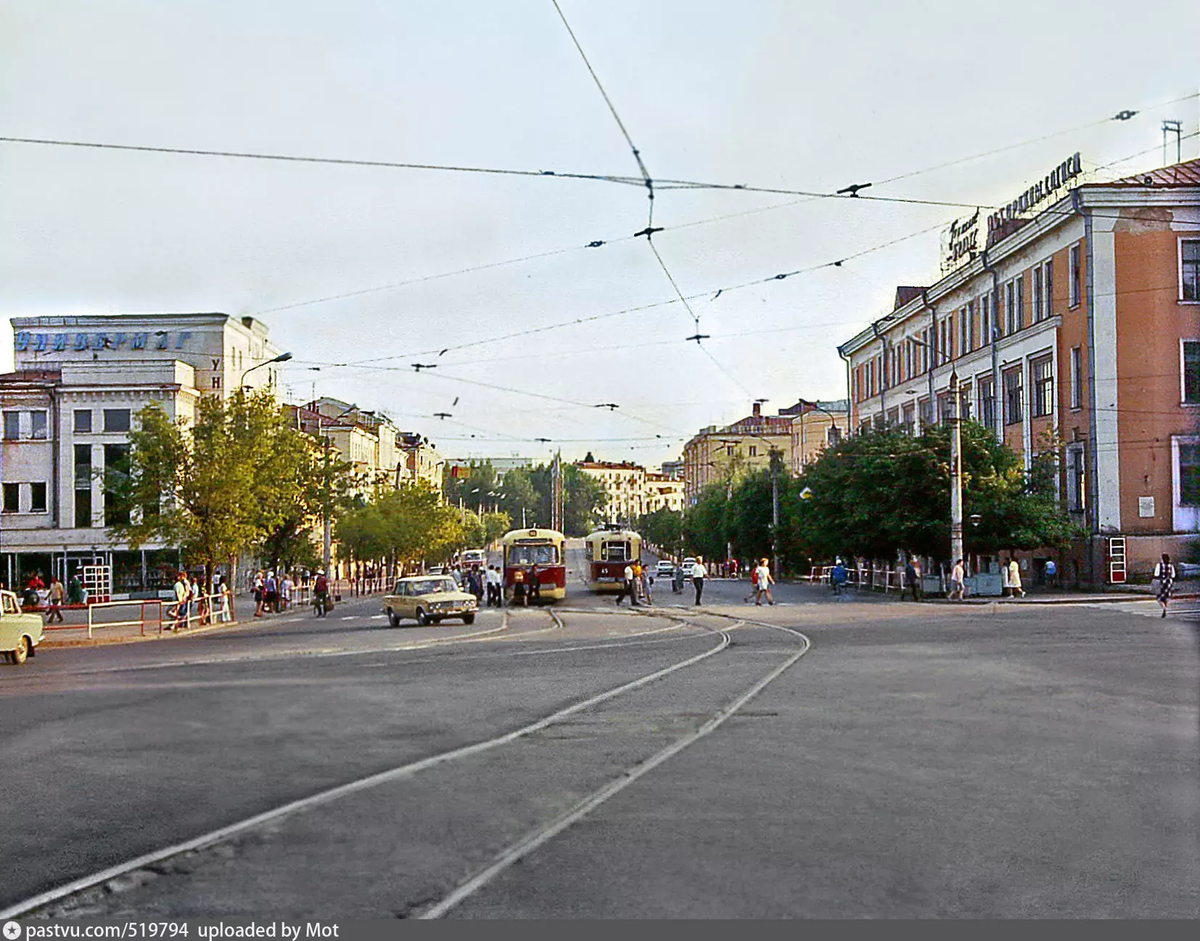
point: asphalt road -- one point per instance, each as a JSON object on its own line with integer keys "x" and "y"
{"x": 820, "y": 758}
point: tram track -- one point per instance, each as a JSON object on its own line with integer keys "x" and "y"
{"x": 58, "y": 900}
{"x": 61, "y": 895}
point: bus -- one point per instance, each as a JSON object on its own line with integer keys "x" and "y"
{"x": 606, "y": 553}
{"x": 545, "y": 548}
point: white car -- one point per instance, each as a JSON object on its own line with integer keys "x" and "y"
{"x": 664, "y": 569}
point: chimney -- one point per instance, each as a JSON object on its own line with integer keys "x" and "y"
{"x": 757, "y": 409}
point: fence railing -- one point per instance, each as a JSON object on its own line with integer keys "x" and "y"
{"x": 152, "y": 605}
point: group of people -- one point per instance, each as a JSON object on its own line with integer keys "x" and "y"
{"x": 760, "y": 582}
{"x": 637, "y": 584}
{"x": 193, "y": 603}
{"x": 272, "y": 593}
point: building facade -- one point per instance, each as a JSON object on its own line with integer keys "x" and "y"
{"x": 663, "y": 492}
{"x": 722, "y": 454}
{"x": 68, "y": 408}
{"x": 1075, "y": 334}
{"x": 625, "y": 485}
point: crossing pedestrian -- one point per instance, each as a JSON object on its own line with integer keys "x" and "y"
{"x": 763, "y": 585}
{"x": 628, "y": 588}
{"x": 912, "y": 579}
{"x": 55, "y": 600}
{"x": 1164, "y": 573}
{"x": 753, "y": 585}
{"x": 698, "y": 572}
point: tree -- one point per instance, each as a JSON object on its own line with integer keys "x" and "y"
{"x": 704, "y": 530}
{"x": 495, "y": 525}
{"x": 214, "y": 486}
{"x": 877, "y": 493}
{"x": 408, "y": 524}
{"x": 520, "y": 500}
{"x": 663, "y": 528}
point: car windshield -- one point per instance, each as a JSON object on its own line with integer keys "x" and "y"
{"x": 429, "y": 586}
{"x": 531, "y": 555}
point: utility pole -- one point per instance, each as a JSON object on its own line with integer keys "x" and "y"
{"x": 556, "y": 493}
{"x": 776, "y": 463}
{"x": 956, "y": 507}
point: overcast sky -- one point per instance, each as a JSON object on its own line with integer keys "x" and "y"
{"x": 771, "y": 93}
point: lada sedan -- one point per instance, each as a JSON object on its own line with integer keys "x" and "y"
{"x": 427, "y": 599}
{"x": 19, "y": 633}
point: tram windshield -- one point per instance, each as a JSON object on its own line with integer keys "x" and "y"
{"x": 533, "y": 555}
{"x": 615, "y": 552}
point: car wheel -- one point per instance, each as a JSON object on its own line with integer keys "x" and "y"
{"x": 422, "y": 617}
{"x": 393, "y": 618}
{"x": 22, "y": 650}
{"x": 468, "y": 619}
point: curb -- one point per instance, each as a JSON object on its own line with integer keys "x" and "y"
{"x": 48, "y": 644}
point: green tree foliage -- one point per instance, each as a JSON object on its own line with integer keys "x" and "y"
{"x": 407, "y": 525}
{"x": 216, "y": 486}
{"x": 520, "y": 499}
{"x": 704, "y": 524}
{"x": 877, "y": 493}
{"x": 495, "y": 525}
{"x": 663, "y": 528}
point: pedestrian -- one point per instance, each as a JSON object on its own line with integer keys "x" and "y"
{"x": 698, "y": 572}
{"x": 1006, "y": 585}
{"x": 837, "y": 578}
{"x": 958, "y": 584}
{"x": 181, "y": 601}
{"x": 534, "y": 589}
{"x": 493, "y": 586}
{"x": 1164, "y": 572}
{"x": 762, "y": 585}
{"x": 647, "y": 583}
{"x": 285, "y": 591}
{"x": 753, "y": 586}
{"x": 912, "y": 579}
{"x": 75, "y": 590}
{"x": 55, "y": 599}
{"x": 259, "y": 593}
{"x": 1049, "y": 572}
{"x": 628, "y": 588}
{"x": 226, "y": 610}
{"x": 1014, "y": 578}
{"x": 271, "y": 593}
{"x": 677, "y": 577}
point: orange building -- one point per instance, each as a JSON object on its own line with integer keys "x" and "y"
{"x": 1074, "y": 329}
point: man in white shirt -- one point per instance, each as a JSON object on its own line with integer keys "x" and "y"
{"x": 628, "y": 588}
{"x": 698, "y": 572}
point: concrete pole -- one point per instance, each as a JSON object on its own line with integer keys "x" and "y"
{"x": 956, "y": 506}
{"x": 327, "y": 535}
{"x": 776, "y": 461}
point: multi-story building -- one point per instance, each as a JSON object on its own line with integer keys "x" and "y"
{"x": 68, "y": 408}
{"x": 419, "y": 460}
{"x": 366, "y": 440}
{"x": 1074, "y": 332}
{"x": 663, "y": 491}
{"x": 722, "y": 454}
{"x": 625, "y": 485}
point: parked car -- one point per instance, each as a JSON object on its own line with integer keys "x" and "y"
{"x": 687, "y": 568}
{"x": 664, "y": 569}
{"x": 19, "y": 633}
{"x": 427, "y": 599}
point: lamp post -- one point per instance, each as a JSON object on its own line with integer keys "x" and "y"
{"x": 281, "y": 358}
{"x": 956, "y": 508}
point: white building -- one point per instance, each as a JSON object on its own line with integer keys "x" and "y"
{"x": 67, "y": 411}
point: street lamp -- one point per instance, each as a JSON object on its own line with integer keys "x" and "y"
{"x": 281, "y": 358}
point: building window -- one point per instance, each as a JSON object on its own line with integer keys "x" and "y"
{"x": 1020, "y": 302}
{"x": 1074, "y": 275}
{"x": 116, "y": 419}
{"x": 116, "y": 472}
{"x": 1010, "y": 308}
{"x": 1189, "y": 475}
{"x": 12, "y": 426}
{"x": 1189, "y": 269}
{"x": 37, "y": 498}
{"x": 964, "y": 331}
{"x": 12, "y": 498}
{"x": 1043, "y": 387}
{"x": 910, "y": 413}
{"x": 985, "y": 320}
{"x": 972, "y": 326}
{"x": 83, "y": 421}
{"x": 1076, "y": 480}
{"x": 1048, "y": 267}
{"x": 1076, "y": 377}
{"x": 754, "y": 450}
{"x": 925, "y": 411}
{"x": 987, "y": 401}
{"x": 1039, "y": 309}
{"x": 37, "y": 424}
{"x": 1191, "y": 372}
{"x": 83, "y": 509}
{"x": 964, "y": 403}
{"x": 1013, "y": 396}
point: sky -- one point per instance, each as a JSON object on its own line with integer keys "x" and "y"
{"x": 362, "y": 271}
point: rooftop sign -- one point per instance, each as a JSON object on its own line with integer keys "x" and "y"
{"x": 1041, "y": 191}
